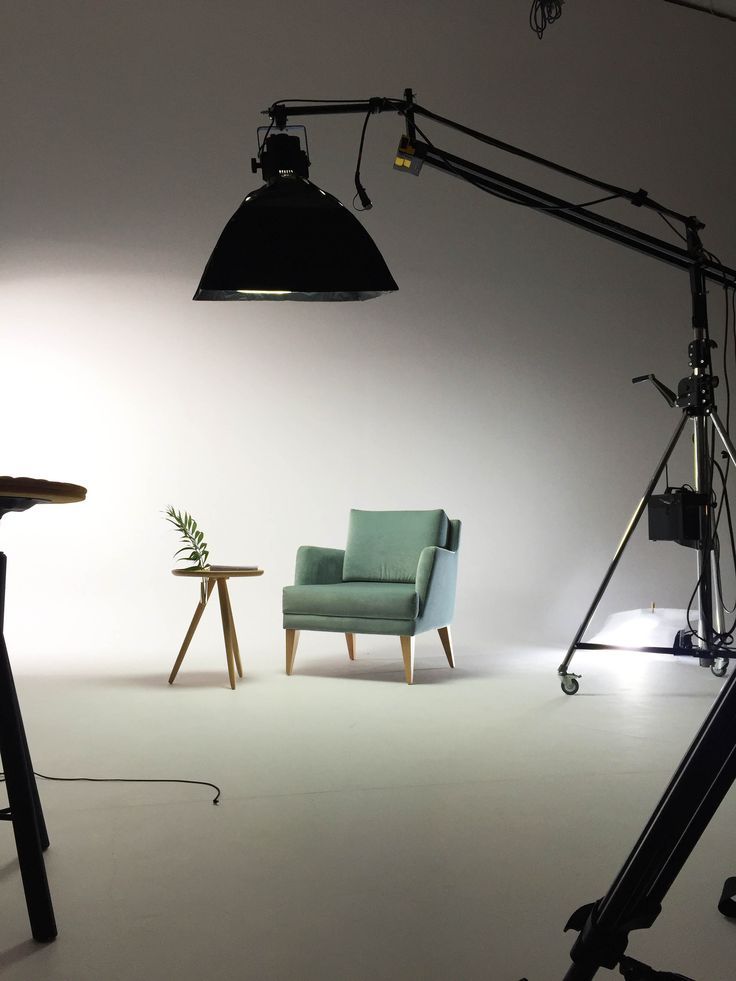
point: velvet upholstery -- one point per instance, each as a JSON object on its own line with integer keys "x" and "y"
{"x": 375, "y": 600}
{"x": 315, "y": 566}
{"x": 384, "y": 546}
{"x": 330, "y": 594}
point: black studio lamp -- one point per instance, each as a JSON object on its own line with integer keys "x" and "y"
{"x": 290, "y": 240}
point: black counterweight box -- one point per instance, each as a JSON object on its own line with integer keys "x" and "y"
{"x": 678, "y": 515}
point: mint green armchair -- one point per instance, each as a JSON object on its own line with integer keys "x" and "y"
{"x": 396, "y": 576}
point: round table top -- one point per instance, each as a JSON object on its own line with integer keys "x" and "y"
{"x": 218, "y": 572}
{"x": 40, "y": 491}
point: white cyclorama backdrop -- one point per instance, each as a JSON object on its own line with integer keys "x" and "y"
{"x": 496, "y": 384}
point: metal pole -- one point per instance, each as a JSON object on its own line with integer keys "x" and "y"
{"x": 719, "y": 8}
{"x": 725, "y": 438}
{"x": 701, "y": 467}
{"x": 731, "y": 450}
{"x": 700, "y": 363}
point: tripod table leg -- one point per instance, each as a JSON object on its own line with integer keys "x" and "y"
{"x": 23, "y": 806}
{"x": 190, "y": 633}
{"x": 34, "y": 789}
{"x": 233, "y": 635}
{"x": 222, "y": 595}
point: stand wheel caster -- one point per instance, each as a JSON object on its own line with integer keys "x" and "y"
{"x": 720, "y": 667}
{"x": 569, "y": 684}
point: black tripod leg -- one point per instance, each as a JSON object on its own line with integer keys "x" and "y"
{"x": 34, "y": 789}
{"x": 41, "y": 823}
{"x": 697, "y": 788}
{"x": 19, "y": 781}
{"x": 562, "y": 670}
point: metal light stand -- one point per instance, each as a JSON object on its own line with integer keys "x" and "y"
{"x": 695, "y": 398}
{"x": 708, "y": 769}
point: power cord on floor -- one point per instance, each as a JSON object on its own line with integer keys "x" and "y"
{"x": 200, "y": 783}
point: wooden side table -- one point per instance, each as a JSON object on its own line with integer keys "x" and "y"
{"x": 210, "y": 576}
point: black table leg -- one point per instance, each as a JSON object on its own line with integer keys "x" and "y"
{"x": 25, "y": 809}
{"x": 34, "y": 789}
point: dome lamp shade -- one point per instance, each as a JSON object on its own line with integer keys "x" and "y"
{"x": 290, "y": 240}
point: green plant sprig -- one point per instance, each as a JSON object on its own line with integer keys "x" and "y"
{"x": 193, "y": 538}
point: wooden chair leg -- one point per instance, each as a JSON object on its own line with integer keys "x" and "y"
{"x": 407, "y": 650}
{"x": 233, "y": 635}
{"x": 222, "y": 596}
{"x": 446, "y": 639}
{"x": 292, "y": 642}
{"x": 350, "y": 638}
{"x": 192, "y": 627}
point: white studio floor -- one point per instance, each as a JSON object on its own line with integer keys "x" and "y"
{"x": 367, "y": 830}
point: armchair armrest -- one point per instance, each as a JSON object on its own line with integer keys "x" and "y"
{"x": 436, "y": 581}
{"x": 318, "y": 566}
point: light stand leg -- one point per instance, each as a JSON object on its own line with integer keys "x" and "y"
{"x": 717, "y": 598}
{"x": 725, "y": 438}
{"x": 562, "y": 670}
{"x": 718, "y": 621}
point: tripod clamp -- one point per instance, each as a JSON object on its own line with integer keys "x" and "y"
{"x": 598, "y": 946}
{"x": 695, "y": 392}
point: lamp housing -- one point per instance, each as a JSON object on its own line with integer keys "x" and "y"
{"x": 290, "y": 240}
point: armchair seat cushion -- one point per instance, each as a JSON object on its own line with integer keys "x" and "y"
{"x": 374, "y": 600}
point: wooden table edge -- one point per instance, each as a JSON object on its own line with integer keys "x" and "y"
{"x": 216, "y": 573}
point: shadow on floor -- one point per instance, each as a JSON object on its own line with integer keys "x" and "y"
{"x": 18, "y": 952}
{"x": 192, "y": 679}
{"x": 9, "y": 869}
{"x": 383, "y": 670}
{"x": 366, "y": 667}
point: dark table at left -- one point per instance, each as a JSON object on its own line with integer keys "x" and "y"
{"x": 24, "y": 810}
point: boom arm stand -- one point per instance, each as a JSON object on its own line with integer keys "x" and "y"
{"x": 634, "y": 901}
{"x": 709, "y": 767}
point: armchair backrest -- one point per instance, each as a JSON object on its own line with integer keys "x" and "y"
{"x": 384, "y": 546}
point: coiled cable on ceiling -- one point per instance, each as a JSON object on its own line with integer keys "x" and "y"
{"x": 543, "y": 13}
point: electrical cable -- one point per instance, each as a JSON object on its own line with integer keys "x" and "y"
{"x": 360, "y": 191}
{"x": 200, "y": 783}
{"x": 265, "y": 137}
{"x": 543, "y": 13}
{"x": 725, "y": 504}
